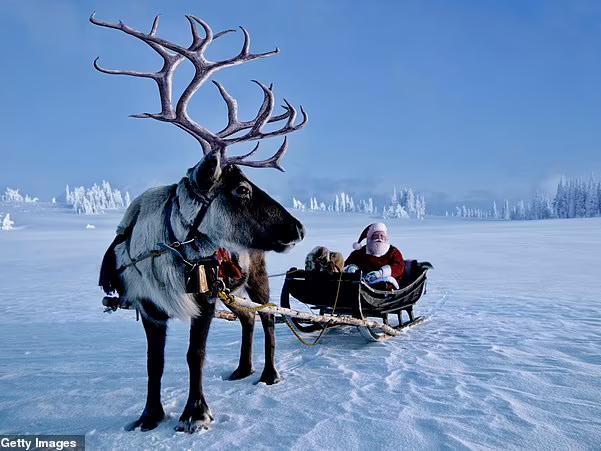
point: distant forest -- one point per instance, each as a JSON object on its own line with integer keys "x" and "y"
{"x": 574, "y": 198}
{"x": 403, "y": 203}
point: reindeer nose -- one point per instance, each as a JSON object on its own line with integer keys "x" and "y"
{"x": 291, "y": 231}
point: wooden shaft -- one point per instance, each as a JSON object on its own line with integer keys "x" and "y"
{"x": 323, "y": 319}
{"x": 221, "y": 314}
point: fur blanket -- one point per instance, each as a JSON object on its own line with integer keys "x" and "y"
{"x": 321, "y": 259}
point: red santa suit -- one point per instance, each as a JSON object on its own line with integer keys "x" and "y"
{"x": 384, "y": 261}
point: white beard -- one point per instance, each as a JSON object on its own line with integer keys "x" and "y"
{"x": 377, "y": 248}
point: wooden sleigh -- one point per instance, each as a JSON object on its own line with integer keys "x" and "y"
{"x": 345, "y": 295}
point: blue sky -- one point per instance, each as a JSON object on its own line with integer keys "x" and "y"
{"x": 459, "y": 99}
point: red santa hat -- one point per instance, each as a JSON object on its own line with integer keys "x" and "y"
{"x": 368, "y": 232}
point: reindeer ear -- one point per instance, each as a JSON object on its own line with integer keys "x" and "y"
{"x": 207, "y": 171}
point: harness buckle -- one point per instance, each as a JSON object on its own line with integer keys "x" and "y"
{"x": 220, "y": 285}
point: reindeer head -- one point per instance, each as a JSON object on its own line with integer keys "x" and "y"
{"x": 240, "y": 214}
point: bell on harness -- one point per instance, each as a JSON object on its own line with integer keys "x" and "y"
{"x": 203, "y": 276}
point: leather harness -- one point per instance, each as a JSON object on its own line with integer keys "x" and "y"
{"x": 174, "y": 245}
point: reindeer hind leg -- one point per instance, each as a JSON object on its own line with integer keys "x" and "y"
{"x": 270, "y": 374}
{"x": 245, "y": 365}
{"x": 257, "y": 288}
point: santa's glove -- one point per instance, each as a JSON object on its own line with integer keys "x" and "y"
{"x": 351, "y": 268}
{"x": 372, "y": 276}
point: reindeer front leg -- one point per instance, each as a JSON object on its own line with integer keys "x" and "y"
{"x": 153, "y": 414}
{"x": 197, "y": 414}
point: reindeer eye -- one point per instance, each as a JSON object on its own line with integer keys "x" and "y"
{"x": 242, "y": 191}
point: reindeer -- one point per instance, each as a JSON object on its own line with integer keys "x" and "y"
{"x": 215, "y": 205}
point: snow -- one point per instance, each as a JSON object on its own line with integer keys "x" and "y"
{"x": 508, "y": 357}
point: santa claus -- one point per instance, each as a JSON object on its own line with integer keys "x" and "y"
{"x": 381, "y": 263}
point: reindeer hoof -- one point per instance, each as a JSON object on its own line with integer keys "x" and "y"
{"x": 148, "y": 421}
{"x": 240, "y": 373}
{"x": 194, "y": 419}
{"x": 270, "y": 377}
{"x": 193, "y": 426}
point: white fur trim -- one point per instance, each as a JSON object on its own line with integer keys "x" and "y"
{"x": 386, "y": 271}
{"x": 377, "y": 227}
{"x": 357, "y": 246}
{"x": 388, "y": 279}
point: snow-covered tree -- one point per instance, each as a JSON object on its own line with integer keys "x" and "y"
{"x": 404, "y": 203}
{"x": 575, "y": 198}
{"x": 592, "y": 200}
{"x": 560, "y": 203}
{"x": 97, "y": 199}
{"x": 397, "y": 211}
{"x": 297, "y": 204}
{"x": 599, "y": 198}
{"x": 506, "y": 211}
{"x": 13, "y": 196}
{"x": 411, "y": 204}
{"x": 7, "y": 223}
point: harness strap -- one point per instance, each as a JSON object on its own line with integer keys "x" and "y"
{"x": 168, "y": 212}
{"x": 192, "y": 235}
{"x": 205, "y": 201}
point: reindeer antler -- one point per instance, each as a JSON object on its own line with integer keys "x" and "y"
{"x": 173, "y": 55}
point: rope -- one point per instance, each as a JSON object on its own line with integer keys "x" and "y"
{"x": 297, "y": 335}
{"x": 153, "y": 253}
{"x": 280, "y": 274}
{"x": 230, "y": 300}
{"x": 174, "y": 248}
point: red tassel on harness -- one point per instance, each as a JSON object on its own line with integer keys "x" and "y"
{"x": 229, "y": 270}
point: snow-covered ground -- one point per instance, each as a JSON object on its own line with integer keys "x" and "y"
{"x": 510, "y": 356}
